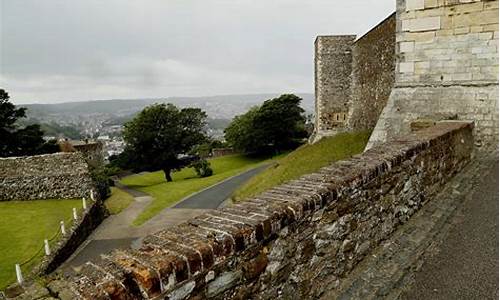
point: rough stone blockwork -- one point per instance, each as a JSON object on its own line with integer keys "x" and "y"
{"x": 447, "y": 64}
{"x": 373, "y": 74}
{"x": 333, "y": 68}
{"x": 353, "y": 78}
{"x": 50, "y": 176}
{"x": 294, "y": 241}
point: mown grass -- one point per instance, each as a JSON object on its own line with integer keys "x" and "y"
{"x": 118, "y": 201}
{"x": 23, "y": 227}
{"x": 304, "y": 160}
{"x": 186, "y": 182}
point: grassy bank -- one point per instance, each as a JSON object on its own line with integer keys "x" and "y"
{"x": 185, "y": 182}
{"x": 23, "y": 227}
{"x": 118, "y": 201}
{"x": 304, "y": 160}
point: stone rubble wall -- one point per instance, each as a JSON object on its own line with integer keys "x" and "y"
{"x": 49, "y": 176}
{"x": 77, "y": 234}
{"x": 333, "y": 68}
{"x": 353, "y": 79}
{"x": 295, "y": 241}
{"x": 373, "y": 74}
{"x": 447, "y": 63}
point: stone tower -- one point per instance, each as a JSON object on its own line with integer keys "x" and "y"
{"x": 353, "y": 79}
{"x": 447, "y": 65}
{"x": 333, "y": 67}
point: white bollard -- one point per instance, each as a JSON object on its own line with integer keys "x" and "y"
{"x": 92, "y": 195}
{"x": 19, "y": 274}
{"x": 63, "y": 229}
{"x": 84, "y": 203}
{"x": 75, "y": 215}
{"x": 47, "y": 247}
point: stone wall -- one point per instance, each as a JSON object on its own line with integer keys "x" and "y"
{"x": 50, "y": 176}
{"x": 447, "y": 64}
{"x": 353, "y": 79}
{"x": 333, "y": 67}
{"x": 77, "y": 234}
{"x": 295, "y": 241}
{"x": 218, "y": 152}
{"x": 373, "y": 74}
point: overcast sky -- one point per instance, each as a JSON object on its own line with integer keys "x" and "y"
{"x": 60, "y": 51}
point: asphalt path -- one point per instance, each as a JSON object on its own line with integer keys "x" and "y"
{"x": 116, "y": 232}
{"x": 212, "y": 197}
{"x": 466, "y": 264}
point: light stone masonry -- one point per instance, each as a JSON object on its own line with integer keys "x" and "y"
{"x": 454, "y": 56}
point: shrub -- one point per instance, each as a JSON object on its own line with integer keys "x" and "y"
{"x": 202, "y": 168}
{"x": 101, "y": 181}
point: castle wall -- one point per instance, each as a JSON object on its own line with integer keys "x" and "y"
{"x": 295, "y": 241}
{"x": 353, "y": 79}
{"x": 372, "y": 74}
{"x": 333, "y": 67}
{"x": 49, "y": 176}
{"x": 447, "y": 64}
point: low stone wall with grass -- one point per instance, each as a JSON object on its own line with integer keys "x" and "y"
{"x": 49, "y": 176}
{"x": 61, "y": 247}
{"x": 77, "y": 234}
{"x": 295, "y": 241}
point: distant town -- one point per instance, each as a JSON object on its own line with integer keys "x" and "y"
{"x": 102, "y": 121}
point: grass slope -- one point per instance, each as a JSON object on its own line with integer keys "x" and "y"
{"x": 185, "y": 182}
{"x": 304, "y": 160}
{"x": 118, "y": 201}
{"x": 23, "y": 227}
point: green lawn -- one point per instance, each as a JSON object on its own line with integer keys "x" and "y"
{"x": 23, "y": 227}
{"x": 304, "y": 160}
{"x": 185, "y": 182}
{"x": 118, "y": 201}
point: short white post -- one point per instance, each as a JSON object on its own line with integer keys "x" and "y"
{"x": 19, "y": 274}
{"x": 63, "y": 229}
{"x": 75, "y": 215}
{"x": 84, "y": 203}
{"x": 47, "y": 247}
{"x": 92, "y": 195}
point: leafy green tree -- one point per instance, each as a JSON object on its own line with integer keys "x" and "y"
{"x": 158, "y": 136}
{"x": 16, "y": 141}
{"x": 278, "y": 124}
{"x": 241, "y": 133}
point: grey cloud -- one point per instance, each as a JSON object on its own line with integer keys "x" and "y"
{"x": 56, "y": 50}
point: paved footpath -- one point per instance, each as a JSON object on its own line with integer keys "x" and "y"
{"x": 116, "y": 231}
{"x": 447, "y": 250}
{"x": 466, "y": 263}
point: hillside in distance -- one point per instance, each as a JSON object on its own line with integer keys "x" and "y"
{"x": 217, "y": 107}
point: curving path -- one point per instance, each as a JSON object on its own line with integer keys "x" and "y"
{"x": 116, "y": 231}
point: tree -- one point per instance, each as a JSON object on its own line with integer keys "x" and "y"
{"x": 277, "y": 125}
{"x": 158, "y": 136}
{"x": 16, "y": 141}
{"x": 241, "y": 133}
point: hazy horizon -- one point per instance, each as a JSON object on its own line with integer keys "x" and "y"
{"x": 57, "y": 51}
{"x": 166, "y": 97}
